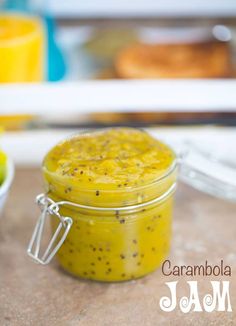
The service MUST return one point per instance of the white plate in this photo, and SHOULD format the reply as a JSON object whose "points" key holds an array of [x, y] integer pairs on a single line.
{"points": [[5, 187]]}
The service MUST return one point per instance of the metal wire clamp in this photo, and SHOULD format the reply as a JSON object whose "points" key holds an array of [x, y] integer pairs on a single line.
{"points": [[50, 207], [47, 207]]}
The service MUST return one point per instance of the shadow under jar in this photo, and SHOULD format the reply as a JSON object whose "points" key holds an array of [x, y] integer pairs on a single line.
{"points": [[116, 188]]}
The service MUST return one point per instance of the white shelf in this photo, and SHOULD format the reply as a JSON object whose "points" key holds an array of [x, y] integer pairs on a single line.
{"points": [[29, 147], [115, 95], [139, 8]]}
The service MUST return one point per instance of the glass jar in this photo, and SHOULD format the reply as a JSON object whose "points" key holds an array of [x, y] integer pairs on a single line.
{"points": [[22, 48], [106, 231]]}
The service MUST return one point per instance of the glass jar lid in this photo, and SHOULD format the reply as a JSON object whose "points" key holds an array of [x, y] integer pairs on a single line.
{"points": [[210, 168]]}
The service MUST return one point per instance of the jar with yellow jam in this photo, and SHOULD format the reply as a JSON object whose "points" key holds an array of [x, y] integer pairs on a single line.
{"points": [[111, 192]]}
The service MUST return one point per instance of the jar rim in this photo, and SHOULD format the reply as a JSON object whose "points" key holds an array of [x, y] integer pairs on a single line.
{"points": [[33, 20], [168, 172], [130, 189], [110, 194], [55, 205]]}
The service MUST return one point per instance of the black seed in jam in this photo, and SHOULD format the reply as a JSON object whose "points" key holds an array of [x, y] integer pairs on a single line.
{"points": [[107, 263], [77, 227], [123, 275], [92, 264], [142, 255], [122, 256], [126, 184], [97, 193], [122, 221], [148, 228], [93, 273], [81, 172], [117, 214], [109, 270], [139, 263], [135, 241], [143, 210], [135, 254], [99, 258], [85, 273], [100, 249], [69, 242], [94, 249], [106, 142], [159, 216], [132, 276], [90, 179], [119, 186], [153, 249], [71, 251]]}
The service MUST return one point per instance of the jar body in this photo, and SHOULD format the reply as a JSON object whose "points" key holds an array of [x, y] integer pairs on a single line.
{"points": [[117, 186], [116, 246]]}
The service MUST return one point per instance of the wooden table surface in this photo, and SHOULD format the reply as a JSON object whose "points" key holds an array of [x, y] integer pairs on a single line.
{"points": [[204, 229]]}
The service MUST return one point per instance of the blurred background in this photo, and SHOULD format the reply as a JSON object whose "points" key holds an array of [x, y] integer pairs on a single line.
{"points": [[164, 65], [72, 65]]}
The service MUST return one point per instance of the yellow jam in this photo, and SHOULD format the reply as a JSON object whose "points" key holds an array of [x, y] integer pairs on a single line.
{"points": [[114, 169]]}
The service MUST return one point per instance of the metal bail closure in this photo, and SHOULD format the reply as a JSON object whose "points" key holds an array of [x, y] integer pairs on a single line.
{"points": [[47, 207]]}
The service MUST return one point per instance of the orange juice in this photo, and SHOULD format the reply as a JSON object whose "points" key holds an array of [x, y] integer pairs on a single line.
{"points": [[22, 48]]}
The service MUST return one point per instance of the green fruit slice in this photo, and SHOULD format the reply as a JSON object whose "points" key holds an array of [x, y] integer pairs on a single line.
{"points": [[3, 166]]}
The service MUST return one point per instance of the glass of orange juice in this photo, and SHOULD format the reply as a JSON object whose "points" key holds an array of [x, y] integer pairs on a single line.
{"points": [[22, 48]]}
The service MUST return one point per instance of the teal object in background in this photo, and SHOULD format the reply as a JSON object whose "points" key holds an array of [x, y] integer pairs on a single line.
{"points": [[22, 5], [56, 67], [56, 62]]}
